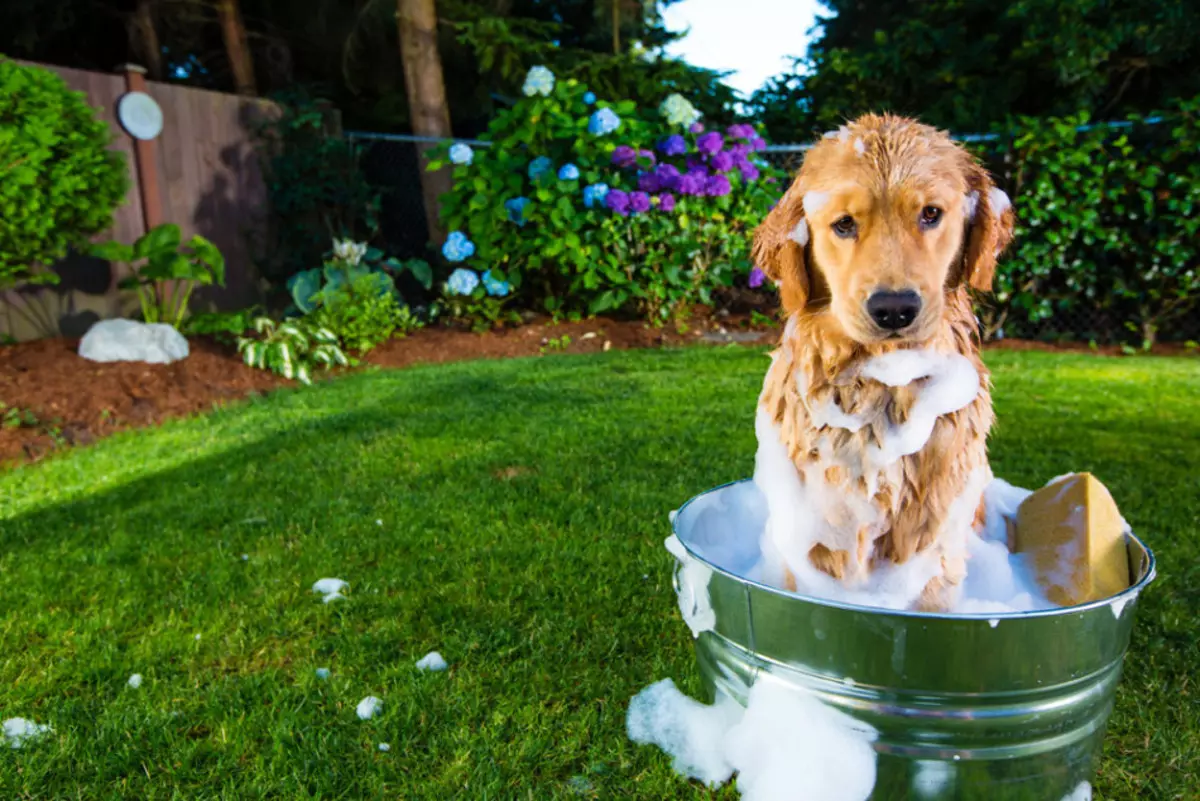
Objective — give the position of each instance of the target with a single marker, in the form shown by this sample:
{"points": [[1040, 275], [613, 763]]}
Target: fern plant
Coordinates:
{"points": [[292, 349]]}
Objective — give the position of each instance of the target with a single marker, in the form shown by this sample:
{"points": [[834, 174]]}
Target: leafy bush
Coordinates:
{"points": [[292, 349], [316, 188], [165, 271], [223, 326], [1108, 220], [354, 295], [59, 182], [585, 206]]}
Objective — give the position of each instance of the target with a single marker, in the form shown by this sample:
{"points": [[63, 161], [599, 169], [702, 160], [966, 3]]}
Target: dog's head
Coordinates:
{"points": [[885, 217]]}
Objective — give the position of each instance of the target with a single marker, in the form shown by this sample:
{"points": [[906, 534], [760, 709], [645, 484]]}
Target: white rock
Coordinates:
{"points": [[133, 341]]}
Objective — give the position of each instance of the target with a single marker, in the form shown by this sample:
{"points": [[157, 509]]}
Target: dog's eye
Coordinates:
{"points": [[930, 216], [845, 227]]}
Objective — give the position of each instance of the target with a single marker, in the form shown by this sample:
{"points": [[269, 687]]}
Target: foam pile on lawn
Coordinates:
{"points": [[331, 588], [784, 745], [18, 731], [432, 661]]}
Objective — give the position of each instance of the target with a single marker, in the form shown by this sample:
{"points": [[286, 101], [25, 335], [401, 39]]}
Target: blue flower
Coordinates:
{"points": [[516, 209], [538, 81], [461, 153], [604, 121], [568, 172], [462, 281], [589, 98], [458, 247], [594, 195], [539, 167], [494, 287]]}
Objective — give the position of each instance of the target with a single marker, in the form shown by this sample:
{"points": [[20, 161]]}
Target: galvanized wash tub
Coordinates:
{"points": [[991, 706]]}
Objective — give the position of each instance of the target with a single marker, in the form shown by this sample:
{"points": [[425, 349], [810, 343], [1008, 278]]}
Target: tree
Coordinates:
{"points": [[233, 31], [968, 64], [417, 23]]}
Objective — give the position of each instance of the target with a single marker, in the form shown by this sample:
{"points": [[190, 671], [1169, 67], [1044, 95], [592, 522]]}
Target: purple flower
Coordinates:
{"points": [[639, 201], [618, 201], [673, 145], [666, 202], [757, 277], [624, 157], [696, 127], [710, 143], [758, 143], [740, 131], [646, 158], [740, 151], [722, 162], [668, 176], [749, 171], [691, 183], [717, 186], [649, 182]]}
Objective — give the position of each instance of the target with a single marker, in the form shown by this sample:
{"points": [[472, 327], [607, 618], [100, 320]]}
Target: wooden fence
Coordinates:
{"points": [[209, 182]]}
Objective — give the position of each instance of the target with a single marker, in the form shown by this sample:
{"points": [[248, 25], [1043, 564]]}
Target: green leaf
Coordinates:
{"points": [[304, 288], [160, 239], [113, 251]]}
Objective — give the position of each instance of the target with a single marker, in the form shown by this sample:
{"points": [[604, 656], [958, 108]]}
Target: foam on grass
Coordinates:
{"points": [[785, 744], [18, 731], [331, 588], [432, 661], [368, 707], [1083, 792], [135, 680]]}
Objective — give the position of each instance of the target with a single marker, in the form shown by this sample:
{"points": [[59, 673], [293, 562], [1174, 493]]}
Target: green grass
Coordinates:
{"points": [[523, 507]]}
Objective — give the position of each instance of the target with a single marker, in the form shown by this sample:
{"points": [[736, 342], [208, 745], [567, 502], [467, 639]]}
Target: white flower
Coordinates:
{"points": [[678, 111], [349, 251], [538, 81]]}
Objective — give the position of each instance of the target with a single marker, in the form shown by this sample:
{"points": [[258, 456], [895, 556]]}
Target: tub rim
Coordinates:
{"points": [[1124, 597]]}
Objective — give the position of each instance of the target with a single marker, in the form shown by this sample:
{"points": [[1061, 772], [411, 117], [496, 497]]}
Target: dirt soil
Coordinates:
{"points": [[76, 401]]}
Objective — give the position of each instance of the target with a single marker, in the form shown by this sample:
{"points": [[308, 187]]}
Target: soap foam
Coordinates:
{"points": [[785, 744]]}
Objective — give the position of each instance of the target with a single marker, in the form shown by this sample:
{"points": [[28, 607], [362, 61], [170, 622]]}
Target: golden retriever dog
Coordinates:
{"points": [[874, 247]]}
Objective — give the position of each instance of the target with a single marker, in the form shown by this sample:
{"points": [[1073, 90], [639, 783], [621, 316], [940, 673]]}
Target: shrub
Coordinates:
{"points": [[354, 295], [59, 182], [165, 271], [316, 188], [585, 206], [292, 349], [1108, 221], [222, 326]]}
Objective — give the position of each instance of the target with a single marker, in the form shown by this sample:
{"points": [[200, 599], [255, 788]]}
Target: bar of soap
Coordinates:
{"points": [[1076, 537]]}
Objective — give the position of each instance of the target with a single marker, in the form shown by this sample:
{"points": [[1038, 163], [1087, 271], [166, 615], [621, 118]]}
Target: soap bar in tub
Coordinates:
{"points": [[1075, 535]]}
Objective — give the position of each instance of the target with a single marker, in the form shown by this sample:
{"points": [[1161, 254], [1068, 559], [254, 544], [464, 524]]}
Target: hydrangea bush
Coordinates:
{"points": [[581, 205]]}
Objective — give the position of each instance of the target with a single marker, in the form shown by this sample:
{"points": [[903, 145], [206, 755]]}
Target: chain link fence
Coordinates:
{"points": [[390, 164]]}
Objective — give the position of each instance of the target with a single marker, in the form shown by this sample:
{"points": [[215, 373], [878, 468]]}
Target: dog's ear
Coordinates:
{"points": [[990, 221], [780, 245]]}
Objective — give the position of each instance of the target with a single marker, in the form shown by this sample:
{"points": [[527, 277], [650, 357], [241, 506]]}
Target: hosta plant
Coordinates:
{"points": [[292, 349]]}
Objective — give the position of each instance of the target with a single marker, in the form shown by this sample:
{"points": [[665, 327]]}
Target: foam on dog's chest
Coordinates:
{"points": [[844, 492]]}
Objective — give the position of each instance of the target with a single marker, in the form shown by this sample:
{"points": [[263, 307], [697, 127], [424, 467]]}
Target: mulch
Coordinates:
{"points": [[77, 401]]}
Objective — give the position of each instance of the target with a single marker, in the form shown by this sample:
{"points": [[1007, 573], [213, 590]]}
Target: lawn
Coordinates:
{"points": [[509, 515]]}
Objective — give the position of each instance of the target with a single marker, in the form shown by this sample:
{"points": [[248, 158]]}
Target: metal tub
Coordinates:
{"points": [[995, 707]]}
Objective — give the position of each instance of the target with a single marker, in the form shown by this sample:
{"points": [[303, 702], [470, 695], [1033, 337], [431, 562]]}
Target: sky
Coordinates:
{"points": [[754, 38]]}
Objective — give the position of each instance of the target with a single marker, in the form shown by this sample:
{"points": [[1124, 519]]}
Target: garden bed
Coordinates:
{"points": [[73, 401]]}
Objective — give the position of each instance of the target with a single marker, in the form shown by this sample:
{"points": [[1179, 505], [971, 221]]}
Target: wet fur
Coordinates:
{"points": [[823, 343]]}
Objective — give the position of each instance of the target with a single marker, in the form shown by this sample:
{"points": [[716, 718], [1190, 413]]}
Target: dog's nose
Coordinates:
{"points": [[892, 311]]}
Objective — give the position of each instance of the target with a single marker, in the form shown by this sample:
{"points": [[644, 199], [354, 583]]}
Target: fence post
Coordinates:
{"points": [[144, 155]]}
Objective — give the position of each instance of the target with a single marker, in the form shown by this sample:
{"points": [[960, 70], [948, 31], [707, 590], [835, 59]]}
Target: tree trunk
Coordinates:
{"points": [[233, 31], [144, 38], [417, 21], [616, 27]]}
